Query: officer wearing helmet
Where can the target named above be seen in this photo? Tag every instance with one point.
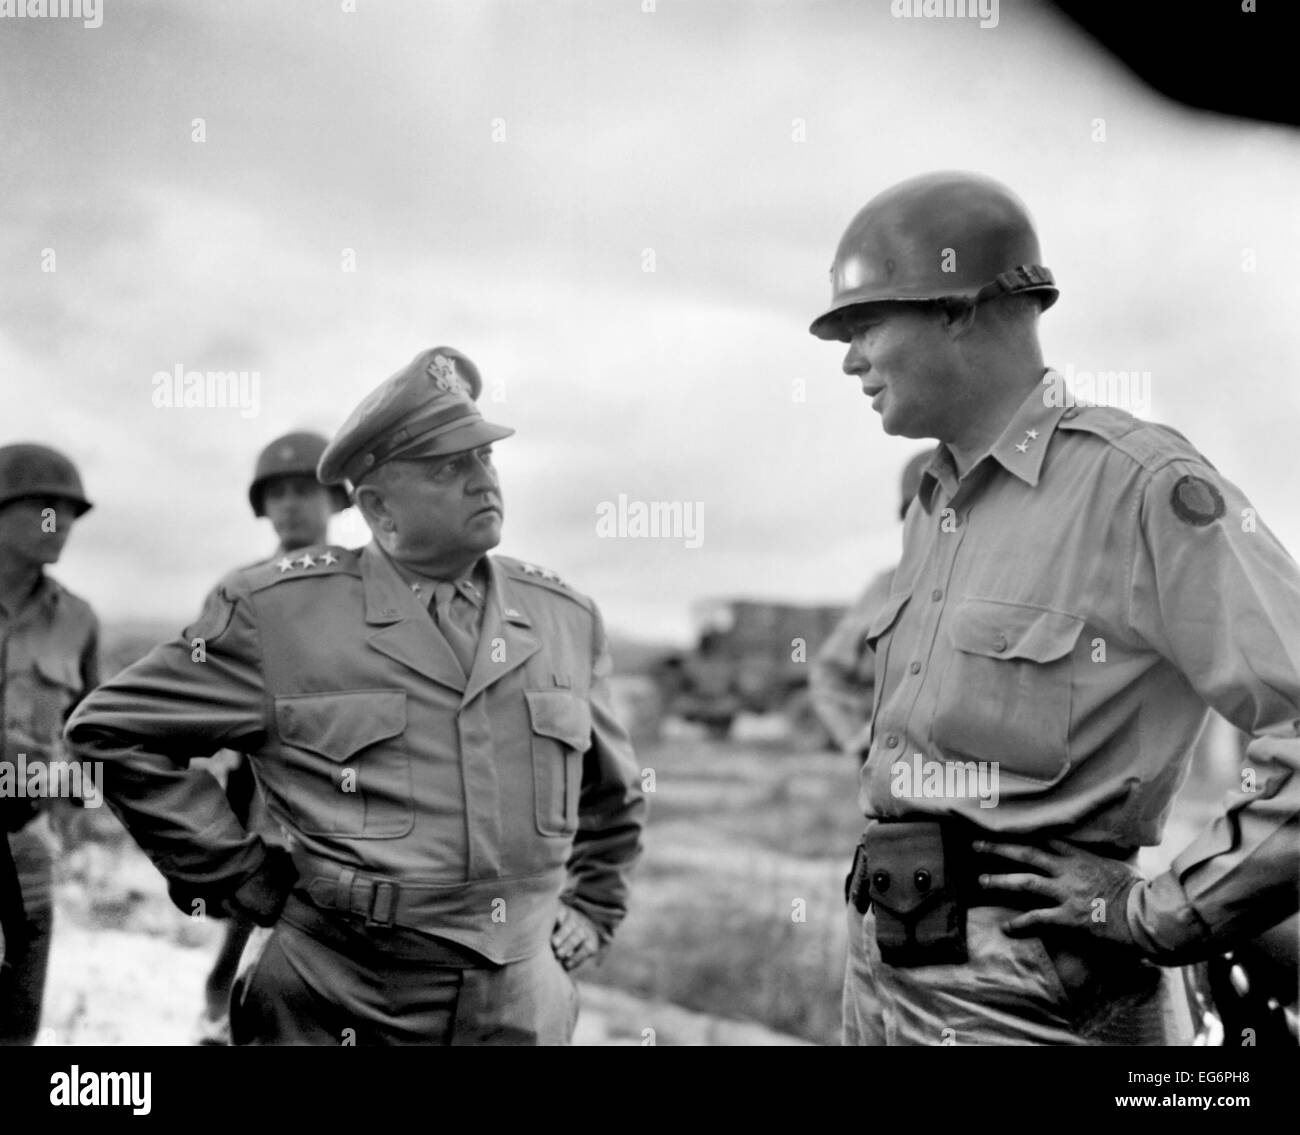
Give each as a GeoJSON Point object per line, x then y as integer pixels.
{"type": "Point", "coordinates": [1076, 587]}
{"type": "Point", "coordinates": [285, 491]}
{"type": "Point", "coordinates": [433, 727]}
{"type": "Point", "coordinates": [841, 680]}
{"type": "Point", "coordinates": [48, 661]}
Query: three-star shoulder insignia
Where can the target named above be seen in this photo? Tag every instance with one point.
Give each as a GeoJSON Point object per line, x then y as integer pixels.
{"type": "Point", "coordinates": [542, 573]}
{"type": "Point", "coordinates": [324, 561]}
{"type": "Point", "coordinates": [522, 569]}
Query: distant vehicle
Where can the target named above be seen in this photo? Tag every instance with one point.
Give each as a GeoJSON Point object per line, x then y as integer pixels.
{"type": "Point", "coordinates": [750, 657]}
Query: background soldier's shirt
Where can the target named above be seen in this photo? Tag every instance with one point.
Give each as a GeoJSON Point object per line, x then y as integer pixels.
{"type": "Point", "coordinates": [1066, 610]}
{"type": "Point", "coordinates": [842, 680]}
{"type": "Point", "coordinates": [49, 659]}
{"type": "Point", "coordinates": [49, 647]}
{"type": "Point", "coordinates": [490, 793]}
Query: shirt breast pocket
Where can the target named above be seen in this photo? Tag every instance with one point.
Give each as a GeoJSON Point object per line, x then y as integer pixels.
{"type": "Point", "coordinates": [55, 688]}
{"type": "Point", "coordinates": [877, 640]}
{"type": "Point", "coordinates": [561, 727]}
{"type": "Point", "coordinates": [1007, 693]}
{"type": "Point", "coordinates": [339, 775]}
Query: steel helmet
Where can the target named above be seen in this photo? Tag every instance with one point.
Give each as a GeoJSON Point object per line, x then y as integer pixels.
{"type": "Point", "coordinates": [938, 236]}
{"type": "Point", "coordinates": [31, 470]}
{"type": "Point", "coordinates": [294, 455]}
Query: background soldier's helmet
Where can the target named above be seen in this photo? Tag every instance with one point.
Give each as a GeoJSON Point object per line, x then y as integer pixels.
{"type": "Point", "coordinates": [31, 470]}
{"type": "Point", "coordinates": [294, 455]}
{"type": "Point", "coordinates": [935, 237]}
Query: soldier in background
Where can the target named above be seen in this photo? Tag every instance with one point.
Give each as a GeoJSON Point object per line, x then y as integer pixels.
{"type": "Point", "coordinates": [843, 677]}
{"type": "Point", "coordinates": [284, 491]}
{"type": "Point", "coordinates": [49, 658]}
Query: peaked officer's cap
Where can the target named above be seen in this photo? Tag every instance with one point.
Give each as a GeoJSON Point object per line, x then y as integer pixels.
{"type": "Point", "coordinates": [427, 409]}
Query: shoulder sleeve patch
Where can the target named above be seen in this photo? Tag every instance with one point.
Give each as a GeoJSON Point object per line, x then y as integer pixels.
{"type": "Point", "coordinates": [1196, 501]}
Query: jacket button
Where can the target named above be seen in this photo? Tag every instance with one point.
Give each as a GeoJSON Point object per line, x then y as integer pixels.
{"type": "Point", "coordinates": [936, 594]}
{"type": "Point", "coordinates": [880, 880]}
{"type": "Point", "coordinates": [1000, 643]}
{"type": "Point", "coordinates": [922, 880]}
{"type": "Point", "coordinates": [891, 742]}
{"type": "Point", "coordinates": [1070, 413]}
{"type": "Point", "coordinates": [915, 668]}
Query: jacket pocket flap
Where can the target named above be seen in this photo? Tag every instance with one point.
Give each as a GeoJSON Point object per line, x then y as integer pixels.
{"type": "Point", "coordinates": [562, 716]}
{"type": "Point", "coordinates": [340, 725]}
{"type": "Point", "coordinates": [885, 618]}
{"type": "Point", "coordinates": [995, 629]}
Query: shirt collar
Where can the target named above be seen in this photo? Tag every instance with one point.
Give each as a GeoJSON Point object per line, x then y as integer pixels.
{"type": "Point", "coordinates": [45, 595]}
{"type": "Point", "coordinates": [1019, 449]}
{"type": "Point", "coordinates": [472, 584]}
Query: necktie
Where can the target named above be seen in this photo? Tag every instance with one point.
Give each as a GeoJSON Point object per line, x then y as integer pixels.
{"type": "Point", "coordinates": [455, 616]}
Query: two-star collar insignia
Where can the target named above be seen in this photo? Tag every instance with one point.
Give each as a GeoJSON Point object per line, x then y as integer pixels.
{"type": "Point", "coordinates": [1023, 446]}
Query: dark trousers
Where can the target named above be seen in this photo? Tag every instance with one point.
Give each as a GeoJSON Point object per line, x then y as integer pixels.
{"type": "Point", "coordinates": [318, 979]}
{"type": "Point", "coordinates": [245, 802]}
{"type": "Point", "coordinates": [26, 959]}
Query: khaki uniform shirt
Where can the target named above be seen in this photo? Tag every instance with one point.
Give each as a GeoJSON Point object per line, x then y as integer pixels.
{"type": "Point", "coordinates": [1067, 609]}
{"type": "Point", "coordinates": [49, 658]}
{"type": "Point", "coordinates": [492, 794]}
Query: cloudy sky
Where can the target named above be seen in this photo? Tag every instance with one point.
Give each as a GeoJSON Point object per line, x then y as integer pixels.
{"type": "Point", "coordinates": [625, 217]}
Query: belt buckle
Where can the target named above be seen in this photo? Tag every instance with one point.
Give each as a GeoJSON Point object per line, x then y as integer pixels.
{"type": "Point", "coordinates": [383, 903]}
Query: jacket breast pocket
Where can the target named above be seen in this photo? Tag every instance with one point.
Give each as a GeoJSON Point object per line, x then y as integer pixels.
{"type": "Point", "coordinates": [561, 727]}
{"type": "Point", "coordinates": [1006, 695]}
{"type": "Point", "coordinates": [346, 769]}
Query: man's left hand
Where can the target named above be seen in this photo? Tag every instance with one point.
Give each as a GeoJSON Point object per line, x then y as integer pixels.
{"type": "Point", "coordinates": [1090, 890]}
{"type": "Point", "coordinates": [575, 938]}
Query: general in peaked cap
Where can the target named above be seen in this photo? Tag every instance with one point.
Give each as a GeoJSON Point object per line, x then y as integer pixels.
{"type": "Point", "coordinates": [427, 409]}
